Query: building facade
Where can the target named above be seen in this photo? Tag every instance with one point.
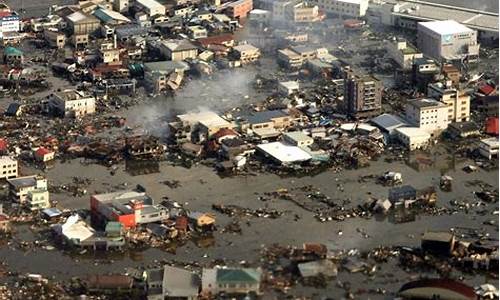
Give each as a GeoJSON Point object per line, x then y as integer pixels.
{"type": "Point", "coordinates": [447, 40]}
{"type": "Point", "coordinates": [343, 8]}
{"type": "Point", "coordinates": [428, 114]}
{"type": "Point", "coordinates": [362, 95]}
{"type": "Point", "coordinates": [8, 167]}
{"type": "Point", "coordinates": [71, 103]}
{"type": "Point", "coordinates": [458, 101]}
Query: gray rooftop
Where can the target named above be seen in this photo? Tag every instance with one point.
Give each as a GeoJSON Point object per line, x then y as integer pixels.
{"type": "Point", "coordinates": [265, 116]}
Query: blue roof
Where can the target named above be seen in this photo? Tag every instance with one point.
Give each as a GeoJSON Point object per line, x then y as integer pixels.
{"type": "Point", "coordinates": [52, 212]}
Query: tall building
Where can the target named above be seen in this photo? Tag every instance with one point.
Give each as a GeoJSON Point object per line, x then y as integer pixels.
{"type": "Point", "coordinates": [428, 114]}
{"type": "Point", "coordinates": [447, 40]}
{"type": "Point", "coordinates": [362, 95]}
{"type": "Point", "coordinates": [343, 8]}
{"type": "Point", "coordinates": [457, 100]}
{"type": "Point", "coordinates": [8, 167]}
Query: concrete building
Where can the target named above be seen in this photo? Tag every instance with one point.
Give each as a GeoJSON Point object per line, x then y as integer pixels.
{"type": "Point", "coordinates": [178, 49]}
{"type": "Point", "coordinates": [246, 53]}
{"type": "Point", "coordinates": [290, 59]}
{"type": "Point", "coordinates": [457, 100]}
{"type": "Point", "coordinates": [54, 37]}
{"type": "Point", "coordinates": [121, 6]}
{"type": "Point", "coordinates": [43, 154]}
{"type": "Point", "coordinates": [489, 147]}
{"type": "Point", "coordinates": [71, 103]}
{"type": "Point", "coordinates": [20, 187]}
{"type": "Point", "coordinates": [128, 207]}
{"type": "Point", "coordinates": [403, 53]}
{"type": "Point", "coordinates": [294, 11]}
{"type": "Point", "coordinates": [196, 127]}
{"type": "Point", "coordinates": [287, 88]}
{"type": "Point", "coordinates": [8, 167]}
{"type": "Point", "coordinates": [172, 283]}
{"type": "Point", "coordinates": [362, 95]}
{"type": "Point", "coordinates": [9, 22]}
{"type": "Point", "coordinates": [150, 7]}
{"type": "Point", "coordinates": [109, 53]}
{"type": "Point", "coordinates": [197, 32]}
{"type": "Point", "coordinates": [80, 41]}
{"type": "Point", "coordinates": [156, 74]}
{"type": "Point", "coordinates": [298, 138]}
{"type": "Point", "coordinates": [447, 40]}
{"type": "Point", "coordinates": [38, 199]}
{"type": "Point", "coordinates": [343, 8]}
{"type": "Point", "coordinates": [81, 23]}
{"type": "Point", "coordinates": [427, 114]}
{"type": "Point", "coordinates": [239, 9]}
{"type": "Point", "coordinates": [412, 137]}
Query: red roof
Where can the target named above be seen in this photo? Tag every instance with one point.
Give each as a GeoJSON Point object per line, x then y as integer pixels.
{"type": "Point", "coordinates": [216, 40]}
{"type": "Point", "coordinates": [224, 132]}
{"type": "Point", "coordinates": [492, 126]}
{"type": "Point", "coordinates": [42, 151]}
{"type": "Point", "coordinates": [3, 145]}
{"type": "Point", "coordinates": [486, 89]}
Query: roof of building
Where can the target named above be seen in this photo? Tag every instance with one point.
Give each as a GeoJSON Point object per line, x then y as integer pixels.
{"type": "Point", "coordinates": [464, 126]}
{"type": "Point", "coordinates": [7, 160]}
{"type": "Point", "coordinates": [486, 89]}
{"type": "Point", "coordinates": [166, 66]}
{"type": "Point", "coordinates": [75, 229]}
{"type": "Point", "coordinates": [150, 3]}
{"type": "Point", "coordinates": [441, 236]}
{"type": "Point", "coordinates": [491, 142]}
{"type": "Point", "coordinates": [178, 282]}
{"type": "Point", "coordinates": [245, 47]}
{"type": "Point", "coordinates": [388, 122]}
{"type": "Point", "coordinates": [9, 50]}
{"type": "Point", "coordinates": [52, 212]}
{"type": "Point", "coordinates": [179, 45]}
{"type": "Point", "coordinates": [446, 27]}
{"type": "Point", "coordinates": [284, 153]}
{"type": "Point", "coordinates": [207, 118]}
{"type": "Point", "coordinates": [265, 116]}
{"type": "Point", "coordinates": [289, 84]}
{"type": "Point", "coordinates": [42, 151]}
{"type": "Point", "coordinates": [426, 103]}
{"type": "Point", "coordinates": [123, 197]}
{"type": "Point", "coordinates": [109, 281]}
{"type": "Point", "coordinates": [445, 289]}
{"type": "Point", "coordinates": [13, 108]}
{"type": "Point", "coordinates": [23, 181]}
{"type": "Point", "coordinates": [413, 132]}
{"type": "Point", "coordinates": [314, 268]}
{"type": "Point", "coordinates": [298, 136]}
{"type": "Point", "coordinates": [225, 132]}
{"type": "Point", "coordinates": [216, 39]}
{"type": "Point", "coordinates": [78, 17]}
{"type": "Point", "coordinates": [107, 15]}
{"type": "Point", "coordinates": [247, 275]}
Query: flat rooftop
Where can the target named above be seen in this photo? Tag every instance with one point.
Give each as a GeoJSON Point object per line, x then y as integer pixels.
{"type": "Point", "coordinates": [284, 153]}
{"type": "Point", "coordinates": [207, 118]}
{"type": "Point", "coordinates": [122, 197]}
{"type": "Point", "coordinates": [446, 27]}
{"type": "Point", "coordinates": [426, 102]}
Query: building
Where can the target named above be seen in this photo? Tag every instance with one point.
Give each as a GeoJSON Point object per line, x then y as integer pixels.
{"type": "Point", "coordinates": [298, 138]}
{"type": "Point", "coordinates": [362, 95]}
{"type": "Point", "coordinates": [121, 6]}
{"type": "Point", "coordinates": [246, 53]}
{"type": "Point", "coordinates": [109, 284]}
{"type": "Point", "coordinates": [267, 123]}
{"type": "Point", "coordinates": [9, 22]}
{"type": "Point", "coordinates": [37, 199]}
{"type": "Point", "coordinates": [71, 103]}
{"type": "Point", "coordinates": [412, 137]}
{"type": "Point", "coordinates": [403, 53]}
{"type": "Point", "coordinates": [110, 17]}
{"type": "Point", "coordinates": [290, 59]}
{"type": "Point", "coordinates": [20, 187]}
{"type": "Point", "coordinates": [288, 87]}
{"type": "Point", "coordinates": [463, 129]}
{"type": "Point", "coordinates": [388, 123]}
{"type": "Point", "coordinates": [109, 53]}
{"type": "Point", "coordinates": [427, 114]}
{"type": "Point", "coordinates": [343, 8]}
{"type": "Point", "coordinates": [197, 32]}
{"type": "Point", "coordinates": [54, 37]}
{"type": "Point", "coordinates": [12, 55]}
{"type": "Point", "coordinates": [157, 74]}
{"type": "Point", "coordinates": [489, 147]}
{"type": "Point", "coordinates": [150, 7]}
{"type": "Point", "coordinates": [425, 71]}
{"type": "Point", "coordinates": [443, 289]}
{"type": "Point", "coordinates": [178, 50]}
{"type": "Point", "coordinates": [283, 154]}
{"type": "Point", "coordinates": [43, 154]}
{"type": "Point", "coordinates": [239, 9]}
{"type": "Point", "coordinates": [8, 167]}
{"type": "Point", "coordinates": [128, 207]}
{"type": "Point", "coordinates": [172, 283]}
{"type": "Point", "coordinates": [198, 127]}
{"type": "Point", "coordinates": [458, 101]}
{"type": "Point", "coordinates": [447, 40]}
{"type": "Point", "coordinates": [230, 281]}
{"type": "Point", "coordinates": [81, 23]}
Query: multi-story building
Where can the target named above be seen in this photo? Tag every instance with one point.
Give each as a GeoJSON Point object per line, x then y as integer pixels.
{"type": "Point", "coordinates": [151, 7]}
{"type": "Point", "coordinates": [20, 187]}
{"type": "Point", "coordinates": [54, 37]}
{"type": "Point", "coordinates": [246, 53]}
{"type": "Point", "coordinates": [109, 53]}
{"type": "Point", "coordinates": [290, 59]}
{"type": "Point", "coordinates": [156, 74]}
{"type": "Point", "coordinates": [81, 23]}
{"type": "Point", "coordinates": [343, 8]}
{"type": "Point", "coordinates": [9, 22]}
{"type": "Point", "coordinates": [239, 9]}
{"type": "Point", "coordinates": [71, 103]}
{"type": "Point", "coordinates": [38, 199]}
{"type": "Point", "coordinates": [447, 40]}
{"type": "Point", "coordinates": [362, 95]}
{"type": "Point", "coordinates": [458, 101]}
{"type": "Point", "coordinates": [428, 114]}
{"type": "Point", "coordinates": [403, 53]}
{"type": "Point", "coordinates": [129, 207]}
{"type": "Point", "coordinates": [178, 49]}
{"type": "Point", "coordinates": [8, 167]}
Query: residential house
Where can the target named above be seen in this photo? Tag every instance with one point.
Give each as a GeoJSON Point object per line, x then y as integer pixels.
{"type": "Point", "coordinates": [231, 281]}
{"type": "Point", "coordinates": [197, 32]}
{"type": "Point", "coordinates": [246, 53]}
{"type": "Point", "coordinates": [43, 154]}
{"type": "Point", "coordinates": [489, 147]}
{"type": "Point", "coordinates": [178, 50]}
{"type": "Point", "coordinates": [172, 283]}
{"type": "Point", "coordinates": [12, 55]}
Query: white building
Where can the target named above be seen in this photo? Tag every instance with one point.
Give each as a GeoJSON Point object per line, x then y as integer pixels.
{"type": "Point", "coordinates": [121, 6]}
{"type": "Point", "coordinates": [38, 199]}
{"type": "Point", "coordinates": [20, 187]}
{"type": "Point", "coordinates": [151, 7]}
{"type": "Point", "coordinates": [72, 103]}
{"type": "Point", "coordinates": [412, 137]}
{"type": "Point", "coordinates": [8, 167]}
{"type": "Point", "coordinates": [344, 8]}
{"type": "Point", "coordinates": [448, 40]}
{"type": "Point", "coordinates": [283, 153]}
{"type": "Point", "coordinates": [489, 147]}
{"type": "Point", "coordinates": [298, 138]}
{"type": "Point", "coordinates": [9, 23]}
{"type": "Point", "coordinates": [457, 100]}
{"type": "Point", "coordinates": [288, 87]}
{"type": "Point", "coordinates": [403, 53]}
{"type": "Point", "coordinates": [428, 114]}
